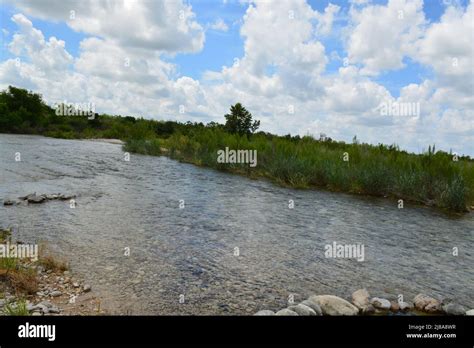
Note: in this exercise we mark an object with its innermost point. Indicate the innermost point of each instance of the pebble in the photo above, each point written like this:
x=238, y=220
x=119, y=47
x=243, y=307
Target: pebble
x=87, y=288
x=55, y=293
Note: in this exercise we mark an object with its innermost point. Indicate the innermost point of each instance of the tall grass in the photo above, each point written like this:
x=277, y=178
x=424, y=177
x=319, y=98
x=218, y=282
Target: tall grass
x=429, y=178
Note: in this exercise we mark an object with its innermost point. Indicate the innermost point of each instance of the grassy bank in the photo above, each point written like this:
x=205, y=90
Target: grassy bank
x=434, y=178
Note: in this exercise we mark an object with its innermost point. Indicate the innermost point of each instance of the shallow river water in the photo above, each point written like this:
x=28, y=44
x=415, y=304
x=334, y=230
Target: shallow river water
x=235, y=247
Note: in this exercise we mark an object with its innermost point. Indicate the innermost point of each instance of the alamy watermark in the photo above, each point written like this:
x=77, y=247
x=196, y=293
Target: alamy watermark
x=345, y=251
x=75, y=109
x=390, y=108
x=20, y=251
x=237, y=156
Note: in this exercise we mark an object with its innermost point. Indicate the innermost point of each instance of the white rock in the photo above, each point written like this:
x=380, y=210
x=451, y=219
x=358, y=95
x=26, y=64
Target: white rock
x=360, y=298
x=314, y=306
x=265, y=312
x=333, y=305
x=380, y=303
x=302, y=309
x=286, y=312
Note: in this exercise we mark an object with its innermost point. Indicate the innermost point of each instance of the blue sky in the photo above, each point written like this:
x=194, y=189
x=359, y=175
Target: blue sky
x=325, y=93
x=221, y=48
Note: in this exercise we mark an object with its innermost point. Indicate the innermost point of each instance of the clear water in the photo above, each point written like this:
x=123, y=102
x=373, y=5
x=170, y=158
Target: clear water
x=190, y=251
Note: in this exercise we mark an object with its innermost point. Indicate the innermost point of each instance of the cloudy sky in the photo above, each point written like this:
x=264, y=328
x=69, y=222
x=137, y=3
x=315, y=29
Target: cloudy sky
x=301, y=67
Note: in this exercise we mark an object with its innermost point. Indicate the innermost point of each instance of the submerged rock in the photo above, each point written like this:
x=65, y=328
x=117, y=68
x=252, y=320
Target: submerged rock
x=333, y=305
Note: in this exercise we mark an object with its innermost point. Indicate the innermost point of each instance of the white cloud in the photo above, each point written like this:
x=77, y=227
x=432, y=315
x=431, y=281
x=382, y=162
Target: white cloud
x=219, y=25
x=381, y=36
x=326, y=19
x=168, y=26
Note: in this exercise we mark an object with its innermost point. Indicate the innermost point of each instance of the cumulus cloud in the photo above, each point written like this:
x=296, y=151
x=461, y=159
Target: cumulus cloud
x=219, y=25
x=168, y=25
x=381, y=36
x=281, y=77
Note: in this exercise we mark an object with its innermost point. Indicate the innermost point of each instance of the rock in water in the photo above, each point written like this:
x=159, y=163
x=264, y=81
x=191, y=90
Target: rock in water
x=35, y=199
x=314, y=306
x=302, y=310
x=380, y=303
x=426, y=303
x=333, y=305
x=286, y=312
x=360, y=298
x=265, y=312
x=454, y=309
x=405, y=306
x=8, y=202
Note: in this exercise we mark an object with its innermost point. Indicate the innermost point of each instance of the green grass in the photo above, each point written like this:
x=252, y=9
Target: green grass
x=19, y=309
x=430, y=178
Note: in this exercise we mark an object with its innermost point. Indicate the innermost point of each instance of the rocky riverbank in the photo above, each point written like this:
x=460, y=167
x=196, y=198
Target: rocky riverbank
x=363, y=304
x=42, y=285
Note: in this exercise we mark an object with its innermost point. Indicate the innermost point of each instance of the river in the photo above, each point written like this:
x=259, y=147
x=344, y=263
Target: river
x=235, y=247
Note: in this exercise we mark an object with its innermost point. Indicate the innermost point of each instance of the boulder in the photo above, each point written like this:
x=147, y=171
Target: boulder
x=333, y=305
x=380, y=303
x=453, y=309
x=265, y=312
x=302, y=310
x=314, y=306
x=360, y=298
x=286, y=312
x=426, y=303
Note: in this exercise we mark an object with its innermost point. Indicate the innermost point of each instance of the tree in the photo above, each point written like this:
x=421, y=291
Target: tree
x=240, y=121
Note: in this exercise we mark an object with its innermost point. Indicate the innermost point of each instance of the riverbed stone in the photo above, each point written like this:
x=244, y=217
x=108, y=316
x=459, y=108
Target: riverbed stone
x=55, y=293
x=394, y=306
x=314, y=306
x=426, y=303
x=380, y=303
x=453, y=309
x=286, y=312
x=369, y=310
x=36, y=199
x=265, y=312
x=405, y=306
x=333, y=305
x=302, y=310
x=360, y=298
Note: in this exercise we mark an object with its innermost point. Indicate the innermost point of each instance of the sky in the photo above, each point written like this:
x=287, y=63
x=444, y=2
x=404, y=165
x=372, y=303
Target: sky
x=387, y=71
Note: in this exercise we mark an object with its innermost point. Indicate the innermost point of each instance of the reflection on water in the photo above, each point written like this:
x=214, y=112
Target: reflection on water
x=191, y=251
